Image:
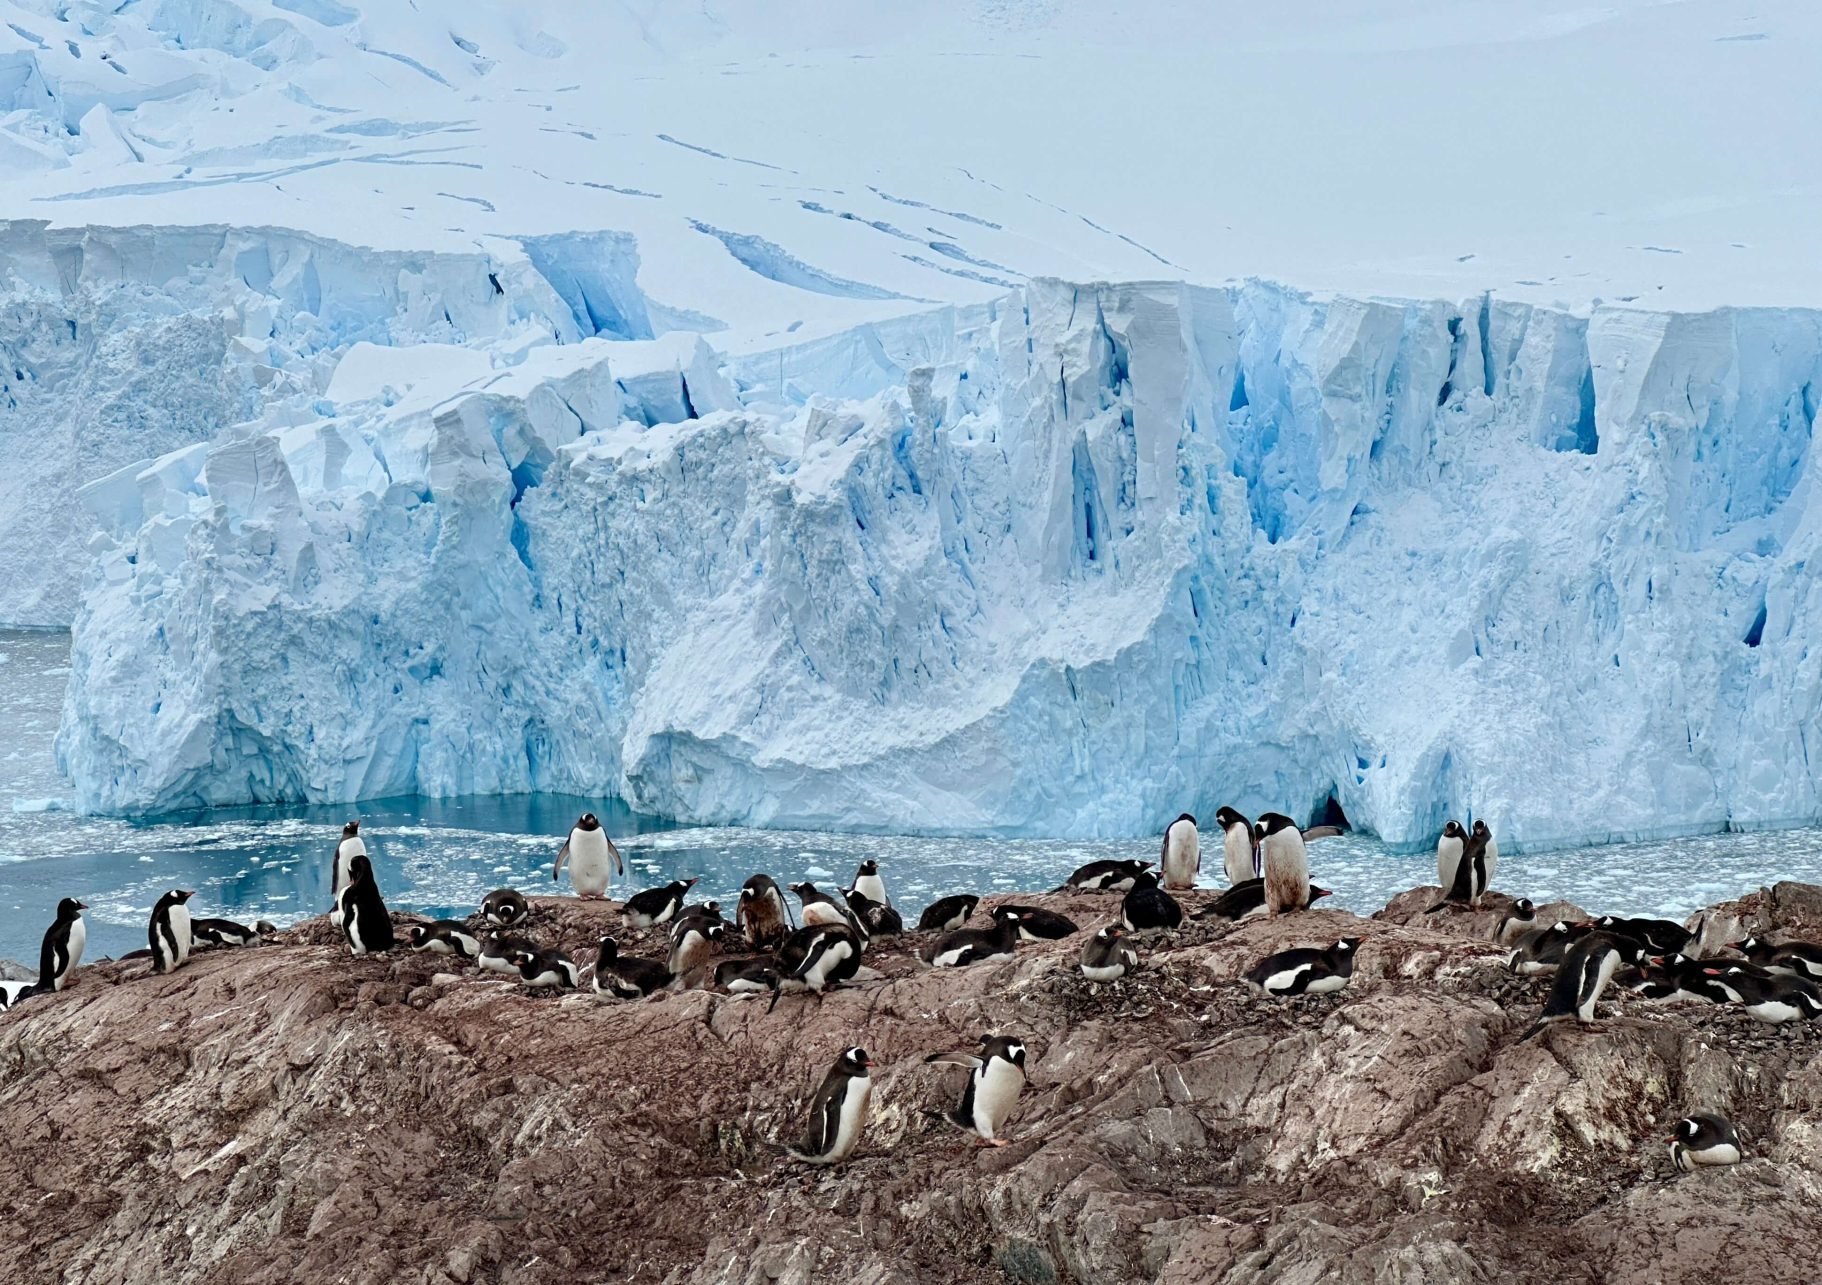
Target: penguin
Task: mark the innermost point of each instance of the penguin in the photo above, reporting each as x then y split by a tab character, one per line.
365	921
967	946
63	944
820	908
347	848
879	920
12	993
868	883
1797	958
701	917
222	932
762	913
1284	863
817	957
1103	876
593	859
1704	1139
1108	956
445	937
746	976
1449	847
505	907
1481	838
655	906
1657	936
1584	973
624	977
1246	900
1648	982
1683	977
498	950
1181	858
1148	908
1515	923
542	969
948	914
1038	924
996	1078
1776	999
1717	982
1542	949
1239	852
1306	971
169	931
838	1112
691	948
1470	878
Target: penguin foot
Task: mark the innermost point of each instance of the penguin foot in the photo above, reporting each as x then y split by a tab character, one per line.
996	1142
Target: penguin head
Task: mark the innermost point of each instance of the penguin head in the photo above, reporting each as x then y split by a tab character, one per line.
351	829
418	934
804	889
1144	879
1524	909
588	822
1749	943
854	1061
681	886
1481	831
711	908
1347	945
179	896
609	949
358	869
70	908
1273	822
714	932
867	867
1185	816
1316	894
748	892
1009	1047
1226	816
1453	830
1113	932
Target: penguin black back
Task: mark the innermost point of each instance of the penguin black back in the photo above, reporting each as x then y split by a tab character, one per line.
948	913
366	923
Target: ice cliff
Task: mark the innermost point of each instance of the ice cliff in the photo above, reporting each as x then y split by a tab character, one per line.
1070	562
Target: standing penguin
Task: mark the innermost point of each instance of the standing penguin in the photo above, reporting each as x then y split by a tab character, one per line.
365	921
1108	956
838	1112
593	859
1449	848
1584	973
1285	863
169	931
1182	855
1481	838
762	913
347	848
996	1078
63	943
868	883
1239	852
1704	1139
1471	875
655	906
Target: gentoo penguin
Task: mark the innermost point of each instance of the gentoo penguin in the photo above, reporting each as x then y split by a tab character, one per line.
1584	973
1181	858
593	859
1307	971
624	977
1148	908
1481	841
222	932
365	921
820	908
1515	923
1657	936
947	914
169	930
1679	976
868	883
1038	924
746	976
541	969
815	958
655	906
347	848
1718	982
1704	1139
498	949
13	992
1284	863
967	946
838	1112
445	937
879	920
1104	876
762	913
996	1078
1541	949
63	944
1239	851
1798	958
505	907
691	948
1449	847
1108	956
1470	879
1246	899
1773	999
701	916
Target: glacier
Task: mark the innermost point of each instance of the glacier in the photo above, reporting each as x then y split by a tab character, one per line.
1068	562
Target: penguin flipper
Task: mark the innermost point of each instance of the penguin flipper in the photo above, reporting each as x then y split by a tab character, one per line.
562	856
960	1057
1535	1028
619	865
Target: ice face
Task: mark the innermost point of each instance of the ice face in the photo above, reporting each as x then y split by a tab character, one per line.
1070	563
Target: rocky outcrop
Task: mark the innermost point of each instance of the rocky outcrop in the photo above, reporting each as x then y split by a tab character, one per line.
288	1113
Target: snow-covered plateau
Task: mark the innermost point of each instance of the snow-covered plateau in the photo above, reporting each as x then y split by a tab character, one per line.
744	438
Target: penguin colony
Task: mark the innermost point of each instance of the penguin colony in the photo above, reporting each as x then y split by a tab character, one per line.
822	945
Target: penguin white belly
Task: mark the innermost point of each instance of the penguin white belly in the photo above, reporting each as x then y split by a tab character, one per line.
873	888
996	1091
345	853
499	964
1279	983
180	929
1326	985
821	913
1104	972
1492	864
952	957
10	992
79	938
1237	854
1722	1153
1775	1011
1609	965
816	977
853	1120
1287	872
591	862
1448	856
1182	855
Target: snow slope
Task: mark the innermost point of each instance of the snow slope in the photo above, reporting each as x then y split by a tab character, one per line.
685	400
